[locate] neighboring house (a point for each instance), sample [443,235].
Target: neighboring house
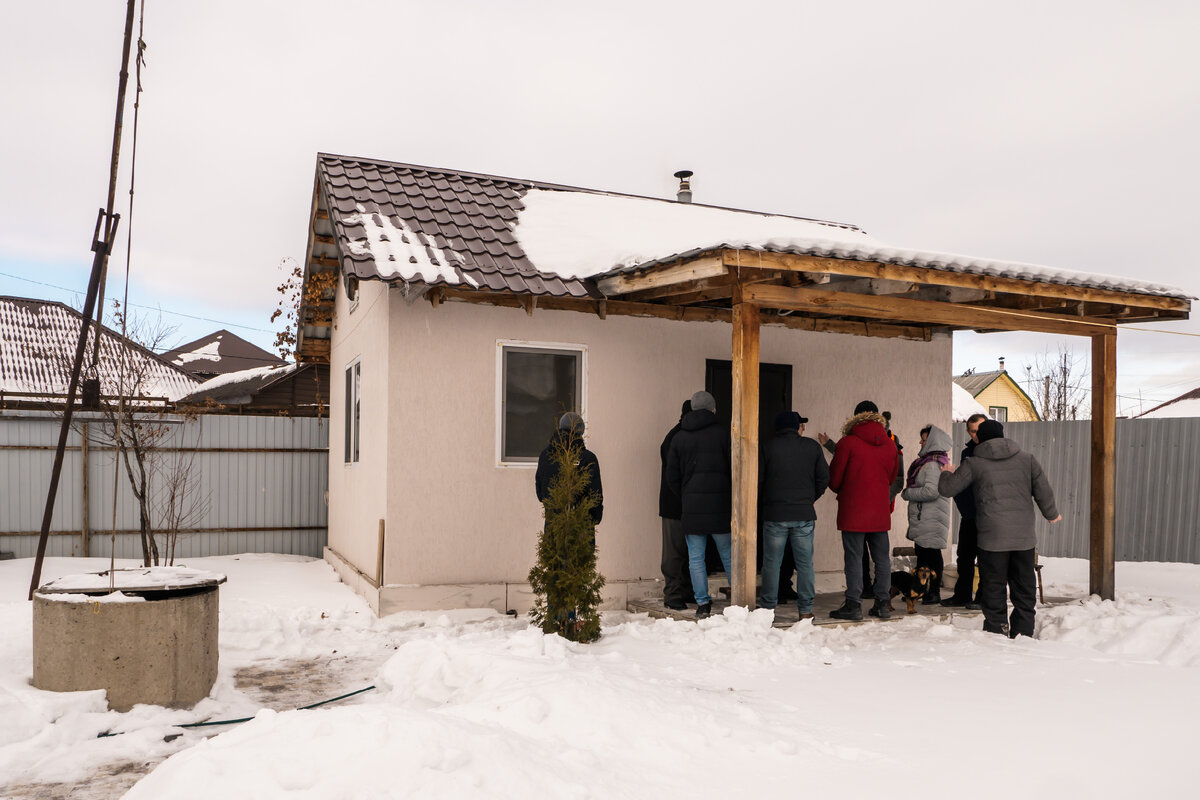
[293,390]
[963,406]
[460,314]
[220,353]
[1002,398]
[37,348]
[1186,405]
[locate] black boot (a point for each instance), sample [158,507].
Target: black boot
[850,611]
[880,610]
[704,611]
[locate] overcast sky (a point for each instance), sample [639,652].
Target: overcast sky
[1062,133]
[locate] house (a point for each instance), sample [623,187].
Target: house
[1186,405]
[1003,397]
[461,313]
[220,353]
[37,348]
[300,390]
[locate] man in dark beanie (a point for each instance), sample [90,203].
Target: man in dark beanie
[698,472]
[864,466]
[792,474]
[677,582]
[569,433]
[1006,482]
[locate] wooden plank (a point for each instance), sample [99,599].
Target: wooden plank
[696,269]
[895,308]
[744,451]
[675,289]
[873,269]
[1102,551]
[691,314]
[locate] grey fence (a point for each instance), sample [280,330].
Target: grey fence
[1157,488]
[257,486]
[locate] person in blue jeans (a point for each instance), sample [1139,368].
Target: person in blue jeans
[792,475]
[698,473]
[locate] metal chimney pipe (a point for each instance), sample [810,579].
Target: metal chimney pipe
[684,195]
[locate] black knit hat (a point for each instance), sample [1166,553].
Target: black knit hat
[990,429]
[866,405]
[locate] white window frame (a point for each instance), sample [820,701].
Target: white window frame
[349,457]
[501,344]
[993,415]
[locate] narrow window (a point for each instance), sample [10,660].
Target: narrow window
[537,386]
[353,380]
[998,413]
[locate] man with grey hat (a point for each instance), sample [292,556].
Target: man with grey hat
[570,432]
[792,474]
[698,472]
[1006,482]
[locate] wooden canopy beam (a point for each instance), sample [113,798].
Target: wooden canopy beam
[1102,549]
[922,275]
[744,451]
[685,272]
[894,308]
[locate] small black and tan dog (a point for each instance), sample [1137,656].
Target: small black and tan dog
[912,586]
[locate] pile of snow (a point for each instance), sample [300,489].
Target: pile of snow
[473,703]
[964,406]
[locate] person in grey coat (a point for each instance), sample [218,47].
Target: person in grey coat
[1004,478]
[928,511]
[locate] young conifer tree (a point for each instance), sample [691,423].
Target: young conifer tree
[564,579]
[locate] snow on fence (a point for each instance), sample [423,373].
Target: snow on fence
[1158,493]
[260,482]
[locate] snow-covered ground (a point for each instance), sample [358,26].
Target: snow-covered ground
[474,704]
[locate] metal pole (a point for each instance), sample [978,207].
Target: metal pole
[102,239]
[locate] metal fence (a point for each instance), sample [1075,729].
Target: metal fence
[258,482]
[1157,488]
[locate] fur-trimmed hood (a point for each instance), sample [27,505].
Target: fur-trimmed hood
[858,419]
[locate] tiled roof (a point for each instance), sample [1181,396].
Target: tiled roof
[37,347]
[456,227]
[401,222]
[976,382]
[219,353]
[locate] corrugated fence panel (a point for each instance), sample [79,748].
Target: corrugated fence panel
[1157,500]
[260,483]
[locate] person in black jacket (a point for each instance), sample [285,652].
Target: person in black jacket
[570,427]
[968,546]
[792,474]
[676,579]
[698,472]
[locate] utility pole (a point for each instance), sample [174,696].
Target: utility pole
[102,242]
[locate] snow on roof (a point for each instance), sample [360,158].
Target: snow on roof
[220,352]
[209,352]
[251,380]
[37,347]
[405,222]
[963,404]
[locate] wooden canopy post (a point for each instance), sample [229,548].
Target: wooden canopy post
[1102,550]
[744,450]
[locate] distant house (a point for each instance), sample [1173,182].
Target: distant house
[460,314]
[1001,396]
[300,390]
[37,348]
[1186,405]
[220,353]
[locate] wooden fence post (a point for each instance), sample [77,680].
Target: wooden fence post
[744,451]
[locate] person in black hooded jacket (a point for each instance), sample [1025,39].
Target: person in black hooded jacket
[698,472]
[676,578]
[570,425]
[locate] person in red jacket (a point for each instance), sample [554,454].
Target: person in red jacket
[864,464]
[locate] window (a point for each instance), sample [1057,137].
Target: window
[537,385]
[352,292]
[998,413]
[353,381]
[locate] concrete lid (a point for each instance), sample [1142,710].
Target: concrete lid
[140,579]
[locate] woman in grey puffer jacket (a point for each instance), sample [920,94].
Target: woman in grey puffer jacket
[928,511]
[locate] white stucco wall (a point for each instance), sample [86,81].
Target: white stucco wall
[455,517]
[357,495]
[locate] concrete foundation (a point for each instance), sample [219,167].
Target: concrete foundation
[161,650]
